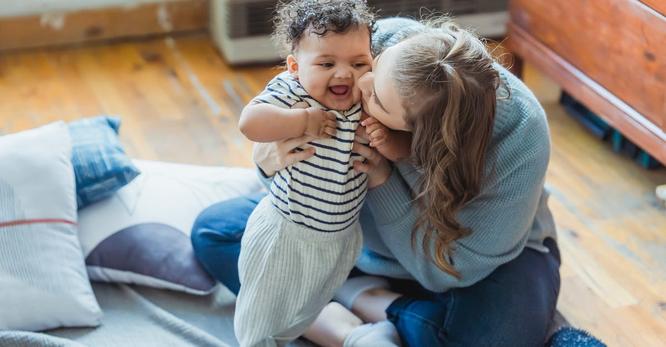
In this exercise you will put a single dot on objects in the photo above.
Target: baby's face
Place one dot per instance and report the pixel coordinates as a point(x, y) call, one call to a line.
point(329, 67)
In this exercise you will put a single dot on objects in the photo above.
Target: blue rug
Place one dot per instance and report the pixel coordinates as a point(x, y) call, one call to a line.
point(572, 337)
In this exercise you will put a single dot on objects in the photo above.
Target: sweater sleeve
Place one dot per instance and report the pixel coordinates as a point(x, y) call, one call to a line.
point(500, 218)
point(265, 180)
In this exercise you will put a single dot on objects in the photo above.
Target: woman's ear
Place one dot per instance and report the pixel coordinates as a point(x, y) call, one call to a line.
point(292, 65)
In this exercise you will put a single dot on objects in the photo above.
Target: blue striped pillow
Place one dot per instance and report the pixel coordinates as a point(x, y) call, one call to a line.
point(100, 164)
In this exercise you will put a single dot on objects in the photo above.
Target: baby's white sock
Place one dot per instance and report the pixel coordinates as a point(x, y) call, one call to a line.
point(380, 334)
point(354, 286)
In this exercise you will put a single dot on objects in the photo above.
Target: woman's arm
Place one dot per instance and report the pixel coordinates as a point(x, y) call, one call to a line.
point(499, 233)
point(500, 218)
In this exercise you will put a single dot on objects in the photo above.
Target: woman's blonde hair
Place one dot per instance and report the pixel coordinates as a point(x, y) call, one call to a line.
point(448, 85)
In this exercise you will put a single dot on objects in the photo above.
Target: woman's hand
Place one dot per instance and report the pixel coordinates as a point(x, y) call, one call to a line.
point(375, 165)
point(272, 157)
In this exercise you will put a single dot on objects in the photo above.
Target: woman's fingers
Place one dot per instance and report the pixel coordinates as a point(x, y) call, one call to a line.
point(288, 153)
point(296, 156)
point(330, 131)
point(362, 134)
point(290, 144)
point(331, 127)
point(360, 149)
point(377, 168)
point(377, 134)
point(360, 166)
point(366, 152)
point(275, 156)
point(378, 142)
point(374, 127)
point(361, 140)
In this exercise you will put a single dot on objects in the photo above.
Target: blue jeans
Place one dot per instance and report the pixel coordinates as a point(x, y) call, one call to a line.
point(513, 306)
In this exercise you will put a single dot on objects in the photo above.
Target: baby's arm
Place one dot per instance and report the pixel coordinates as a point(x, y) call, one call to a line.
point(394, 145)
point(261, 122)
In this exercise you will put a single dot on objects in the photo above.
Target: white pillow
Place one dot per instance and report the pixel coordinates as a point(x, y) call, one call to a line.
point(43, 281)
point(141, 235)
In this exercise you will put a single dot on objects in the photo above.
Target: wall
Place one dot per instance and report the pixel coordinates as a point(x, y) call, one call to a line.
point(37, 7)
point(38, 23)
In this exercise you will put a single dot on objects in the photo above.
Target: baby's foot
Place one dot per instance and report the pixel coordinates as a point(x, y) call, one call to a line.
point(380, 334)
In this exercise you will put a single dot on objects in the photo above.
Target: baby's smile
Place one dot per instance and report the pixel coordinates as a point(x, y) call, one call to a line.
point(340, 90)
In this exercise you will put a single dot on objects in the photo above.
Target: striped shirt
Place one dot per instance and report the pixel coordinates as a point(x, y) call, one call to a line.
point(323, 192)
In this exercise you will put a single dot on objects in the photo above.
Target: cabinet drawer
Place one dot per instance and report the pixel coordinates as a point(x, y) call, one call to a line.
point(620, 44)
point(658, 5)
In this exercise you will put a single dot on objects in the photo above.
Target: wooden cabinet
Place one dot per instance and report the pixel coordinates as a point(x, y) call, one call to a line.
point(608, 54)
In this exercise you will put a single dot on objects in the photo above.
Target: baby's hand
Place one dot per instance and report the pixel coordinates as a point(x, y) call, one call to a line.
point(377, 132)
point(319, 123)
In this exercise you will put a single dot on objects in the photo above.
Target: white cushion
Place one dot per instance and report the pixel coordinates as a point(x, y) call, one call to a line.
point(141, 234)
point(43, 281)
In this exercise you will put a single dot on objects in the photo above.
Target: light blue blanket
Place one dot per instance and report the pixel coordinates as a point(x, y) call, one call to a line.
point(146, 317)
point(135, 316)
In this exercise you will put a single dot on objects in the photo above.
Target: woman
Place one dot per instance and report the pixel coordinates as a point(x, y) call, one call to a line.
point(457, 233)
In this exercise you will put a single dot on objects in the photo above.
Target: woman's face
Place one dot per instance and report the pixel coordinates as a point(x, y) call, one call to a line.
point(379, 94)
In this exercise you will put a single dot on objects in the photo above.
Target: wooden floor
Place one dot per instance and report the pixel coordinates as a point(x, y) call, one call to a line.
point(180, 102)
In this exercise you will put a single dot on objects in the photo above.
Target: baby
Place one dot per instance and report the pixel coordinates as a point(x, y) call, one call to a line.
point(303, 239)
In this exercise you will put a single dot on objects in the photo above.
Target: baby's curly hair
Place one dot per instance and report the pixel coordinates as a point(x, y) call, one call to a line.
point(295, 18)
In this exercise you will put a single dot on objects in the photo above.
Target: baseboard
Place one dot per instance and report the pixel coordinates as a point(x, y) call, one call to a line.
point(102, 24)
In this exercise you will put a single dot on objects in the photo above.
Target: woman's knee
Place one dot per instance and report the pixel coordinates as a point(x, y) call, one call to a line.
point(223, 221)
point(485, 325)
point(419, 322)
point(511, 307)
point(445, 323)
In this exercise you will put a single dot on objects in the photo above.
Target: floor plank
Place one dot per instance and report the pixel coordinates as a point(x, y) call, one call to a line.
point(611, 229)
point(179, 101)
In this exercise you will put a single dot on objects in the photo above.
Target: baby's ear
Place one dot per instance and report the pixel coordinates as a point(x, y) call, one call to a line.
point(292, 65)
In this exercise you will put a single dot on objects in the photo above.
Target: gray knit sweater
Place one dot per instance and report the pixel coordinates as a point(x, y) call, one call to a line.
point(509, 214)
